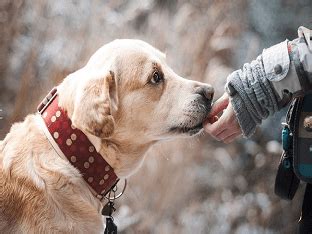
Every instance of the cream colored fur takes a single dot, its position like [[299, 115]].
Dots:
[[115, 102]]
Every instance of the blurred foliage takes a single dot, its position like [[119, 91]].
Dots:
[[196, 185]]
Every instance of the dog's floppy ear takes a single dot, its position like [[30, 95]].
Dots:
[[94, 105]]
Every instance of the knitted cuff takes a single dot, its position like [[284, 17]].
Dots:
[[235, 90], [245, 121]]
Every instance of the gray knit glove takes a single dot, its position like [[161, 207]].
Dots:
[[252, 95]]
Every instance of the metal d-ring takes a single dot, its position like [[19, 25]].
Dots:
[[113, 190]]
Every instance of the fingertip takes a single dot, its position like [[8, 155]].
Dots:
[[215, 119], [219, 105], [211, 119]]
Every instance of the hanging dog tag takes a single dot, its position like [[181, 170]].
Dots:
[[111, 227], [108, 209]]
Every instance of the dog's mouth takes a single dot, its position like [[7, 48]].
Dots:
[[193, 123], [187, 130]]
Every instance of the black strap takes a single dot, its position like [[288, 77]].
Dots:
[[305, 222], [286, 182]]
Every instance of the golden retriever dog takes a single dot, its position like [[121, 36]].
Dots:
[[125, 99]]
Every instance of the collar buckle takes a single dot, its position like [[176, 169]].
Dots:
[[47, 100]]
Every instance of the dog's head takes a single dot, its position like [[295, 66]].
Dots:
[[127, 94]]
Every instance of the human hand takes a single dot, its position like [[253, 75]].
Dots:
[[225, 128]]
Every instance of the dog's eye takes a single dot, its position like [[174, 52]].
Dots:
[[157, 78]]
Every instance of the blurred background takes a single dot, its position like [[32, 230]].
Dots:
[[185, 186]]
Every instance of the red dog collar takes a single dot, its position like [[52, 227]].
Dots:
[[75, 146]]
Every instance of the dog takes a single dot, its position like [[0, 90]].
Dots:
[[124, 100]]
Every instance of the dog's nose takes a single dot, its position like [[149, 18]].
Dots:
[[206, 91]]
